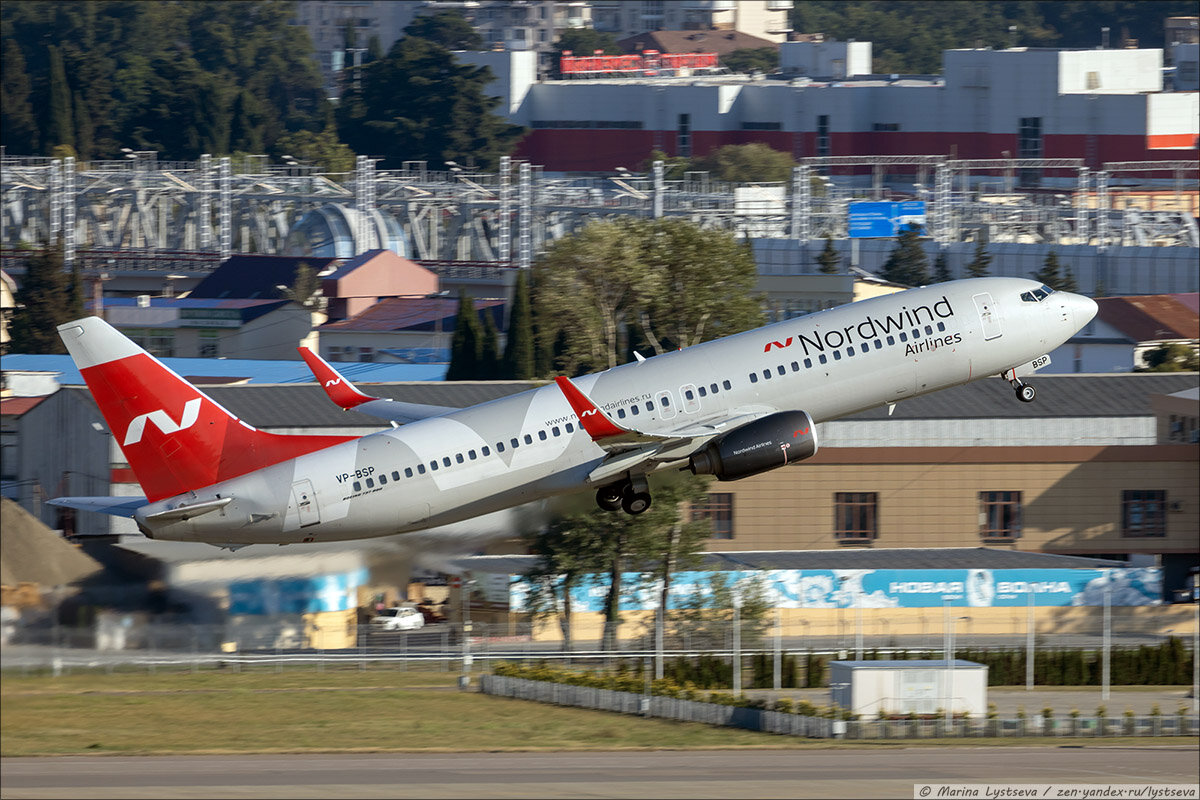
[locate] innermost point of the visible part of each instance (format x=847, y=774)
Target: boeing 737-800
x=730, y=408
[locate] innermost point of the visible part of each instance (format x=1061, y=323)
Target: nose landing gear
x=631, y=495
x=1025, y=392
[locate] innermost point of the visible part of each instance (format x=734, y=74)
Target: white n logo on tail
x=162, y=421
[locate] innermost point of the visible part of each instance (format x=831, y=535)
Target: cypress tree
x=1049, y=273
x=17, y=119
x=41, y=305
x=978, y=268
x=907, y=263
x=941, y=269
x=62, y=128
x=466, y=345
x=84, y=132
x=489, y=350
x=829, y=258
x=518, y=350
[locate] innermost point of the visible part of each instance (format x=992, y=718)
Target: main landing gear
x=1025, y=392
x=631, y=495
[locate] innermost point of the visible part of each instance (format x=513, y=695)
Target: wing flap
x=346, y=395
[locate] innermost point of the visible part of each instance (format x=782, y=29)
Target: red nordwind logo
x=786, y=343
x=161, y=420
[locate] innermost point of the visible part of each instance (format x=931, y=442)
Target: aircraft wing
x=636, y=451
x=346, y=394
x=115, y=506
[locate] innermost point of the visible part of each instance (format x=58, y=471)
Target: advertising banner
x=884, y=220
x=302, y=595
x=881, y=588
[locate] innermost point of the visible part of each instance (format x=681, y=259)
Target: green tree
x=705, y=618
x=489, y=350
x=704, y=279
x=467, y=343
x=62, y=125
x=748, y=59
x=907, y=263
x=1051, y=274
x=320, y=149
x=941, y=269
x=747, y=163
x=17, y=120
x=518, y=363
x=448, y=29
x=674, y=167
x=568, y=548
x=42, y=305
x=419, y=103
x=829, y=259
x=978, y=267
x=582, y=42
x=1171, y=357
x=306, y=287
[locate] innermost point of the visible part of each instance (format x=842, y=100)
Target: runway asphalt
x=882, y=771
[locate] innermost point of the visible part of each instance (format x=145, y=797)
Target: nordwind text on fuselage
x=872, y=328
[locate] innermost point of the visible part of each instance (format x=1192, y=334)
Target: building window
x=855, y=516
x=718, y=510
x=1000, y=515
x=209, y=344
x=1029, y=145
x=683, y=138
x=1144, y=512
x=823, y=135
x=160, y=344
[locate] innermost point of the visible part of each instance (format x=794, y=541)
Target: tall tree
x=17, y=120
x=941, y=268
x=518, y=349
x=907, y=263
x=829, y=259
x=62, y=124
x=978, y=267
x=751, y=59
x=448, y=29
x=322, y=150
x=1051, y=274
x=489, y=350
x=42, y=305
x=419, y=103
x=466, y=344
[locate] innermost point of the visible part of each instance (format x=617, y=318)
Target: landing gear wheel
x=1026, y=393
x=635, y=502
x=609, y=497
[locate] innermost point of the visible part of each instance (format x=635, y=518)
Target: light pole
x=1029, y=645
x=858, y=627
x=465, y=680
x=658, y=639
x=1107, y=645
x=842, y=615
x=950, y=665
x=778, y=681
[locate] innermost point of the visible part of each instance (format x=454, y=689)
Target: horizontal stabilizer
x=345, y=394
x=115, y=506
x=189, y=511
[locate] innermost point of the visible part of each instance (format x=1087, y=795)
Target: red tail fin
x=174, y=437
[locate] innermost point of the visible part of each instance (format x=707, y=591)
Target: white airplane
x=731, y=408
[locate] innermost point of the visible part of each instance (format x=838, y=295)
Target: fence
x=783, y=723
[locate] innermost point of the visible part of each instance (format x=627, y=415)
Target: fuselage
x=530, y=446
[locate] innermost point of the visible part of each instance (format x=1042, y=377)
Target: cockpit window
x=1037, y=295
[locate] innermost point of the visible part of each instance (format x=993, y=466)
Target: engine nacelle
x=767, y=443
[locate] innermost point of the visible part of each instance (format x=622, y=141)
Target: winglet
x=340, y=390
x=591, y=418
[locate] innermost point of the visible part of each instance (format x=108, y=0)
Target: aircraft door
x=989, y=315
x=305, y=501
x=665, y=404
x=691, y=400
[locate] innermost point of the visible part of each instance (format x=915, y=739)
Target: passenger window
x=916, y=333
x=767, y=374
x=824, y=359
x=620, y=413
x=664, y=401
x=556, y=431
x=689, y=394
x=649, y=405
x=370, y=483
x=850, y=350
x=727, y=385
x=570, y=428
x=542, y=435
x=781, y=369
x=703, y=392
x=808, y=363
x=408, y=472
x=878, y=344
x=837, y=355
x=795, y=367
x=421, y=469
x=383, y=480
x=515, y=444
x=396, y=475
x=445, y=461
x=928, y=330
x=754, y=377
x=471, y=455
x=433, y=466
x=635, y=410
x=713, y=388
x=528, y=439
x=891, y=340
x=941, y=326
x=458, y=457
x=486, y=451
x=499, y=447
x=357, y=486
x=904, y=337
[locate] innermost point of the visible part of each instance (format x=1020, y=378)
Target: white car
x=399, y=618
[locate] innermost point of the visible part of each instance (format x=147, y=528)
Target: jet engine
x=767, y=443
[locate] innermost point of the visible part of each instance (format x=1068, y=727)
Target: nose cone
x=1083, y=309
